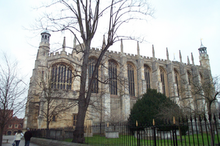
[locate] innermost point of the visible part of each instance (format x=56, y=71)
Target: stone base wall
x=47, y=142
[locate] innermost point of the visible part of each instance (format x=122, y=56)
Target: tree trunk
x=1, y=135
x=48, y=121
x=78, y=134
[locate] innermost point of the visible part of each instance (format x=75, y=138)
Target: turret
x=180, y=56
x=202, y=50
x=122, y=51
x=44, y=46
x=138, y=49
x=204, y=57
x=153, y=52
x=45, y=39
x=167, y=53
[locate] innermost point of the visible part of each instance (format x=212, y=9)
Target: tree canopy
x=152, y=105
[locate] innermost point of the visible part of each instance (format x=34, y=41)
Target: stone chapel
x=126, y=77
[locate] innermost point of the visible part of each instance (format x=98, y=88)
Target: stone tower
x=204, y=57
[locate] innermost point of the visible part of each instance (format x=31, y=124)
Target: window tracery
x=131, y=82
x=177, y=81
x=147, y=76
x=61, y=77
x=112, y=72
x=162, y=75
x=95, y=81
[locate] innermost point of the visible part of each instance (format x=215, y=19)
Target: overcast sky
x=177, y=24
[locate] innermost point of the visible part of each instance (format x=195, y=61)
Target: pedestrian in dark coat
x=27, y=137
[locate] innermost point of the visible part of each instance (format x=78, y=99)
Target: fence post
x=138, y=133
x=215, y=121
x=154, y=136
x=138, y=137
x=211, y=130
x=174, y=132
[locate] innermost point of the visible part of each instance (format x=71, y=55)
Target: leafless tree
x=12, y=88
x=201, y=94
x=82, y=18
x=53, y=102
x=206, y=88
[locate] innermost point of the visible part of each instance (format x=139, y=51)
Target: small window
x=10, y=126
x=9, y=132
x=54, y=118
x=42, y=75
x=16, y=125
x=74, y=119
x=189, y=77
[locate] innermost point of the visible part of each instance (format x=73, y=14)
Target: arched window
x=92, y=62
x=177, y=81
x=112, y=72
x=147, y=76
x=201, y=77
x=131, y=80
x=189, y=77
x=162, y=75
x=61, y=77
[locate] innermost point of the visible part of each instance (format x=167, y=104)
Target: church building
x=121, y=80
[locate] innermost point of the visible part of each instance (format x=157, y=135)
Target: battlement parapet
x=62, y=54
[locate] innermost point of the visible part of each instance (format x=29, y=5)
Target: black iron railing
x=194, y=131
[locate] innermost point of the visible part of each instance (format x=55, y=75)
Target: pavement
x=11, y=139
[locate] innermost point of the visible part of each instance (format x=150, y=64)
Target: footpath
x=11, y=139
x=38, y=142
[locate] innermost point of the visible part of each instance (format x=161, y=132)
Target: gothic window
x=177, y=81
x=189, y=77
x=95, y=81
x=54, y=118
x=162, y=75
x=201, y=78
x=131, y=80
x=74, y=119
x=112, y=72
x=147, y=76
x=42, y=73
x=61, y=77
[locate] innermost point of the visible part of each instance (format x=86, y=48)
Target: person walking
x=18, y=137
x=27, y=137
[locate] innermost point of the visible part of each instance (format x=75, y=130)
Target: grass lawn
x=129, y=140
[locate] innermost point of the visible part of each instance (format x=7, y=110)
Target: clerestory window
x=177, y=81
x=147, y=76
x=131, y=82
x=112, y=72
x=94, y=86
x=162, y=75
x=74, y=119
x=189, y=77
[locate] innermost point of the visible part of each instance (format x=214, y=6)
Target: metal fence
x=195, y=131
